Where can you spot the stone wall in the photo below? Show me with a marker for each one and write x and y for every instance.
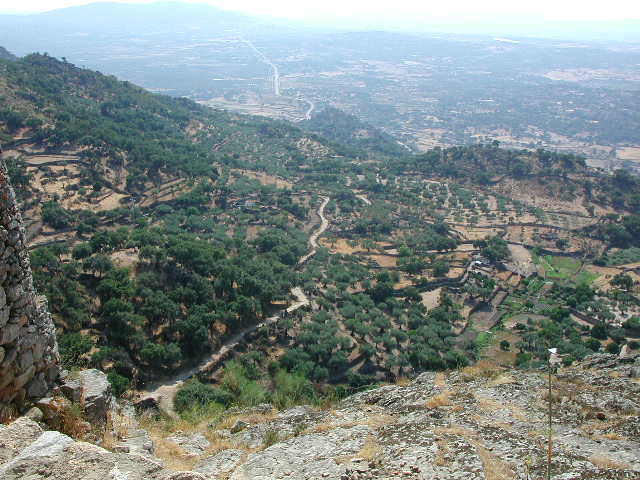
(28, 350)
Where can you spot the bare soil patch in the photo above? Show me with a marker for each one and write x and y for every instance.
(125, 258)
(266, 179)
(341, 245)
(385, 261)
(431, 299)
(631, 154)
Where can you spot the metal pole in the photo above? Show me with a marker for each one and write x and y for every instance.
(549, 433)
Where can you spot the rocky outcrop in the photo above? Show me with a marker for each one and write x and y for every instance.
(478, 423)
(96, 396)
(28, 350)
(192, 444)
(222, 463)
(26, 451)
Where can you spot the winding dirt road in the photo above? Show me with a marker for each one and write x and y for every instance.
(312, 106)
(163, 391)
(364, 199)
(313, 240)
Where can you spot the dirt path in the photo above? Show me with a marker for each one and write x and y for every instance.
(313, 240)
(312, 106)
(364, 199)
(164, 390)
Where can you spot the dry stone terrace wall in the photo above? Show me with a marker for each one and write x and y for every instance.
(28, 350)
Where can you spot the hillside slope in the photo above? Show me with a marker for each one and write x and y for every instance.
(169, 237)
(6, 55)
(217, 234)
(348, 130)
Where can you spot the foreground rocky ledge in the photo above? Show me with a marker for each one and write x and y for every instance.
(477, 423)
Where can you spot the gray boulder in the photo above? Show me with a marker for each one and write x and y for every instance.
(17, 436)
(221, 463)
(193, 444)
(305, 457)
(238, 426)
(46, 450)
(96, 397)
(70, 386)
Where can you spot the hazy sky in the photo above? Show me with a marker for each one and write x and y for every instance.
(397, 11)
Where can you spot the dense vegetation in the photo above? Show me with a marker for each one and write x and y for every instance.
(352, 136)
(185, 290)
(214, 211)
(123, 127)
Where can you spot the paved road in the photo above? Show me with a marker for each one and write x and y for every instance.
(276, 73)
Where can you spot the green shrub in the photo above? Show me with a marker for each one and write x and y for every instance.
(599, 331)
(613, 348)
(71, 347)
(633, 326)
(194, 393)
(119, 383)
(251, 394)
(523, 360)
(270, 438)
(291, 389)
(592, 344)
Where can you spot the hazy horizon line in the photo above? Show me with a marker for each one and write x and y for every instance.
(514, 25)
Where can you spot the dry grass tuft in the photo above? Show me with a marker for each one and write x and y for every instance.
(441, 456)
(607, 463)
(73, 422)
(323, 427)
(377, 421)
(371, 450)
(69, 419)
(271, 437)
(115, 430)
(494, 467)
(252, 419)
(171, 454)
(491, 405)
(441, 400)
(452, 430)
(484, 369)
(403, 382)
(501, 379)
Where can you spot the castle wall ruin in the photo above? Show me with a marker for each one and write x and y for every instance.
(28, 350)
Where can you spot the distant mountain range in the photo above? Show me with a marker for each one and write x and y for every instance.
(110, 17)
(104, 22)
(423, 89)
(6, 55)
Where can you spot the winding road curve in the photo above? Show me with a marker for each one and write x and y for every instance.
(313, 240)
(364, 199)
(163, 391)
(312, 106)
